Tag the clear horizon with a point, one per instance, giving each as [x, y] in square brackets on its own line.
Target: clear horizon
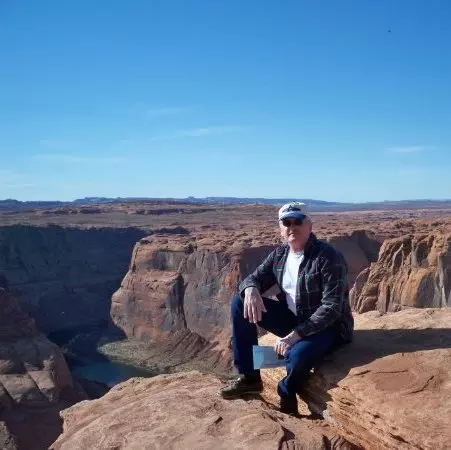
[236, 198]
[347, 102]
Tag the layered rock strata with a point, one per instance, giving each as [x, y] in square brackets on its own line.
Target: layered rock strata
[183, 411]
[391, 387]
[35, 382]
[411, 271]
[180, 289]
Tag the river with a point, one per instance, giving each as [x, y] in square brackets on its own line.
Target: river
[109, 372]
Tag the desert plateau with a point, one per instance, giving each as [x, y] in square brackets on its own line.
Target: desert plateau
[147, 285]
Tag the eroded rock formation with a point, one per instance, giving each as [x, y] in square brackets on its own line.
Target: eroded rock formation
[182, 285]
[360, 249]
[35, 382]
[411, 271]
[390, 388]
[183, 411]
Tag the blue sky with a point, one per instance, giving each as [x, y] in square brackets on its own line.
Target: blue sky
[333, 100]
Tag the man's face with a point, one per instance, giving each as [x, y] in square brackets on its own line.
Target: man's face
[295, 232]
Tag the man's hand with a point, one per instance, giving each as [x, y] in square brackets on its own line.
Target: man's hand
[283, 344]
[253, 305]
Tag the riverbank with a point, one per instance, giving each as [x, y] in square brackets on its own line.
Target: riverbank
[153, 357]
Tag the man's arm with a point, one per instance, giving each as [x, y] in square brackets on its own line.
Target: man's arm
[262, 278]
[334, 276]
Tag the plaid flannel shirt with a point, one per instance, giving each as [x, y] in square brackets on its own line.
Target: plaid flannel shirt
[322, 293]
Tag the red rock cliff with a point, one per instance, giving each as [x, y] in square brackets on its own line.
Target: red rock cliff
[35, 382]
[412, 271]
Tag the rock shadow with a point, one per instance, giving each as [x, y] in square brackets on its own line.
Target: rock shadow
[369, 345]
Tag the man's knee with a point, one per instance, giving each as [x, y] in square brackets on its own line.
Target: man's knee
[302, 354]
[308, 352]
[237, 305]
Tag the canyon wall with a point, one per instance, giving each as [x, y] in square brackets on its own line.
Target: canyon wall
[64, 277]
[411, 271]
[173, 286]
[360, 249]
[178, 281]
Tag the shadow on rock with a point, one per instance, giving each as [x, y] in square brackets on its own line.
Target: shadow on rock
[370, 345]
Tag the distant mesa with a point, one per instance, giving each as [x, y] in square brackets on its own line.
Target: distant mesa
[11, 205]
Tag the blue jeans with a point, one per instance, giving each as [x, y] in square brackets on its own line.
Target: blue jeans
[279, 320]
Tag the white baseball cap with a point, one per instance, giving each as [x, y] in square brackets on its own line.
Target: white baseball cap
[295, 210]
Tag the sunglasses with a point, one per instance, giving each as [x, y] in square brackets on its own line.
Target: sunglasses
[290, 222]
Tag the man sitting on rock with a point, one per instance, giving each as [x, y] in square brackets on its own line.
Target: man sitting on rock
[311, 317]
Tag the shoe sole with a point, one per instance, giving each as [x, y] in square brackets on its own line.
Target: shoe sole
[233, 396]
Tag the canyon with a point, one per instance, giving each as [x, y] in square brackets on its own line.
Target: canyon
[162, 275]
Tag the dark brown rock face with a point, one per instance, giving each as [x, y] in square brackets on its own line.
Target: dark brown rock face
[14, 323]
[64, 277]
[35, 382]
[412, 271]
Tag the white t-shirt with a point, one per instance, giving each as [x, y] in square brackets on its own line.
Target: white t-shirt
[290, 277]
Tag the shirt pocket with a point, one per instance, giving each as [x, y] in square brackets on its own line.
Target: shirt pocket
[313, 282]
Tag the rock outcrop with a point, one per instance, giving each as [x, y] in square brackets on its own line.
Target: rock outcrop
[35, 382]
[411, 271]
[64, 277]
[183, 411]
[391, 387]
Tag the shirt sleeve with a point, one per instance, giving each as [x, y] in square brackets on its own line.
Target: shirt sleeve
[263, 276]
[334, 273]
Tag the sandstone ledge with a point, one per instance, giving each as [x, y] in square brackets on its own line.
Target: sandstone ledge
[390, 388]
[183, 411]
